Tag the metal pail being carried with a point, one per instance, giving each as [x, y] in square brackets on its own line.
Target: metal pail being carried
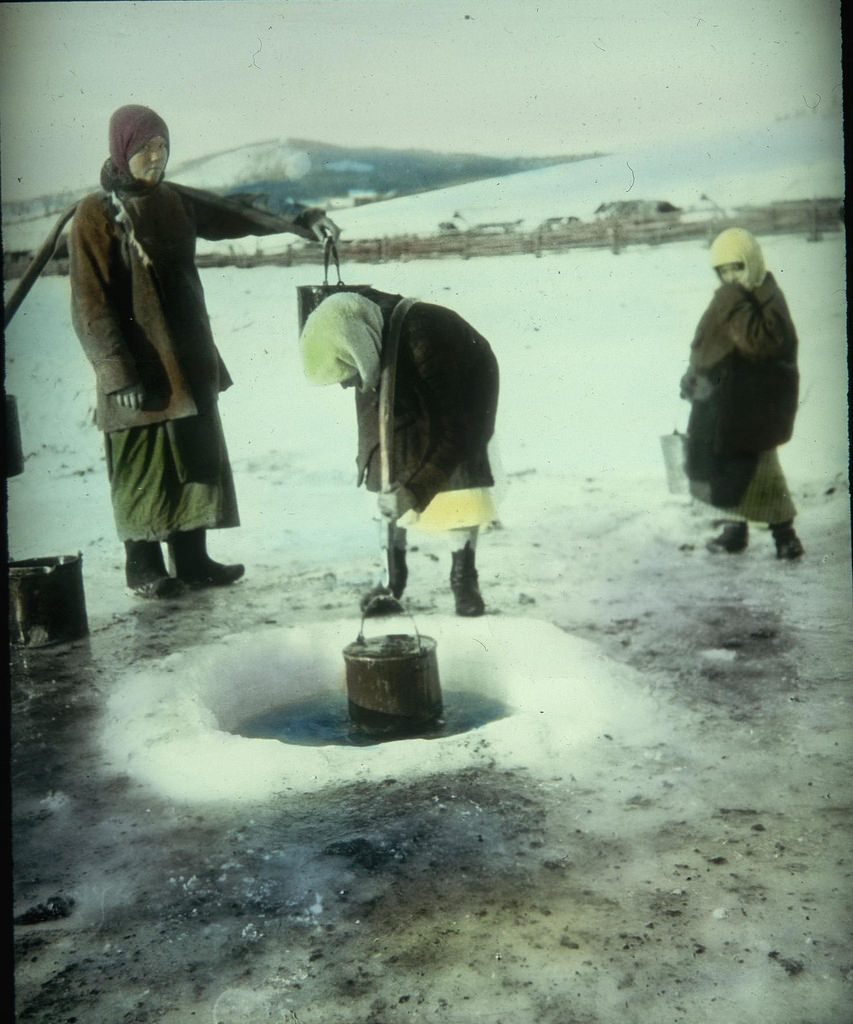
[47, 604]
[392, 683]
[309, 296]
[674, 448]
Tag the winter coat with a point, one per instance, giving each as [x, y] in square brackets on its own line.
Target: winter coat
[446, 397]
[137, 301]
[743, 382]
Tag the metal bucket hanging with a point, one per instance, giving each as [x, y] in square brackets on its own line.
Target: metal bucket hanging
[674, 447]
[47, 604]
[309, 296]
[393, 685]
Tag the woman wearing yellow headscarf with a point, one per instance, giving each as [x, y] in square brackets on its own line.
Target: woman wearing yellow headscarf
[743, 381]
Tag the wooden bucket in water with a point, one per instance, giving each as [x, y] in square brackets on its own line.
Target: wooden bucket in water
[393, 684]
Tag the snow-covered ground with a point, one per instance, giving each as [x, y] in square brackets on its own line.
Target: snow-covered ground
[656, 831]
[591, 347]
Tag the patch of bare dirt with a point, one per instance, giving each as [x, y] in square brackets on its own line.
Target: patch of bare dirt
[705, 879]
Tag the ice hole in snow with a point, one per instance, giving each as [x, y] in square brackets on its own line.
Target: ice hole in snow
[325, 719]
[538, 695]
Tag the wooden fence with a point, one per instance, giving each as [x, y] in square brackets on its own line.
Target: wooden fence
[811, 218]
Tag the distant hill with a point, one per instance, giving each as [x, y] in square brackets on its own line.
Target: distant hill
[307, 171]
[317, 173]
[793, 160]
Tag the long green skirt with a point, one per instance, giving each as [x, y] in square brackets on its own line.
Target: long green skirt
[171, 476]
[766, 498]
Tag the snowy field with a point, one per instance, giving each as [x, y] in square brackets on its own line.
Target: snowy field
[591, 348]
[657, 830]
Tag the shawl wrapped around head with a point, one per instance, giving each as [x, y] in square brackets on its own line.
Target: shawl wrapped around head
[736, 245]
[130, 128]
[342, 338]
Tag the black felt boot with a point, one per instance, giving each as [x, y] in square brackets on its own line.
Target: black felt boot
[733, 539]
[463, 583]
[788, 544]
[192, 564]
[145, 570]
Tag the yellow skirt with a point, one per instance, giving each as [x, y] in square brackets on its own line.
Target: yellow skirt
[766, 499]
[453, 510]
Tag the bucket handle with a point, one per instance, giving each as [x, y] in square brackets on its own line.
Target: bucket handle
[330, 251]
[360, 637]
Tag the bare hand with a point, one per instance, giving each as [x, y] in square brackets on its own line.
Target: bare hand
[396, 502]
[131, 397]
[324, 228]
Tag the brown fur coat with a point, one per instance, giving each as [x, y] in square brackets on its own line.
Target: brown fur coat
[137, 302]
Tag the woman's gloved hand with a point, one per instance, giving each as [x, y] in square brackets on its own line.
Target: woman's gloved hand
[324, 227]
[696, 387]
[687, 388]
[132, 397]
[314, 219]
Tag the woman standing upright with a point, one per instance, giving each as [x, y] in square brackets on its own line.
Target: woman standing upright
[138, 308]
[743, 382]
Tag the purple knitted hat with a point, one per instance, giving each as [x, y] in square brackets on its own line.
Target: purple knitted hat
[130, 128]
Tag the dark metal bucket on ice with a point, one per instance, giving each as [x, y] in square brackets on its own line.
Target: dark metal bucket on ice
[393, 684]
[47, 604]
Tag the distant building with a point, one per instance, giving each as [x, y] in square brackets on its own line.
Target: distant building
[502, 227]
[558, 223]
[459, 224]
[363, 196]
[638, 211]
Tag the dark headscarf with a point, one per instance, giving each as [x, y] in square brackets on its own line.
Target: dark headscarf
[131, 127]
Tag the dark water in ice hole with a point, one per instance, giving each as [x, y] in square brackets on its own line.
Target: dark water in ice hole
[324, 721]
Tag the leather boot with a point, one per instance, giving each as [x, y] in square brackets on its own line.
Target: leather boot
[145, 570]
[733, 539]
[463, 583]
[192, 564]
[788, 544]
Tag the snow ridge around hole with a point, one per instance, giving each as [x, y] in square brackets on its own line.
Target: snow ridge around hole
[170, 725]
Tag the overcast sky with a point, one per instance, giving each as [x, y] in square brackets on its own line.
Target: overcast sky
[508, 77]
